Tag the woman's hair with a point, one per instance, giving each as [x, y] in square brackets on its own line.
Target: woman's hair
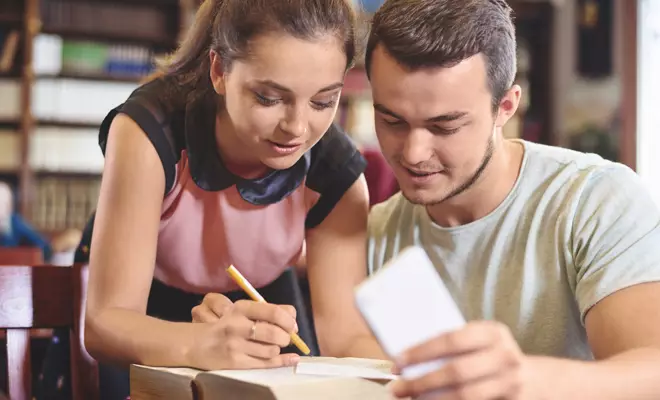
[228, 27]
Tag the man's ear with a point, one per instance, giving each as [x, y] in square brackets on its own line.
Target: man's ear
[508, 105]
[217, 73]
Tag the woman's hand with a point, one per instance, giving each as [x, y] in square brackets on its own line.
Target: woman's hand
[242, 335]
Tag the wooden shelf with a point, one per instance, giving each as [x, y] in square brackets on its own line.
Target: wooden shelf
[159, 3]
[67, 174]
[10, 20]
[67, 124]
[10, 124]
[80, 34]
[94, 77]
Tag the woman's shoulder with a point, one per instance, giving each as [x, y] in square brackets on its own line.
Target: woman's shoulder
[336, 163]
[158, 108]
[334, 152]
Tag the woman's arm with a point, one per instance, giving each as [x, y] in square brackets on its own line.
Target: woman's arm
[336, 263]
[123, 253]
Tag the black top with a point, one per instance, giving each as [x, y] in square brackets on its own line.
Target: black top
[329, 168]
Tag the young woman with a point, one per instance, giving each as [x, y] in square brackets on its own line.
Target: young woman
[231, 158]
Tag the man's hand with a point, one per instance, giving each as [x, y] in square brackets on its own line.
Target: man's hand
[484, 362]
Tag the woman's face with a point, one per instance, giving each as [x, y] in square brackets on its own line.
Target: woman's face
[281, 99]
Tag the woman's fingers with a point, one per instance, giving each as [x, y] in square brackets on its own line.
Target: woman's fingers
[211, 309]
[217, 303]
[244, 361]
[202, 313]
[271, 313]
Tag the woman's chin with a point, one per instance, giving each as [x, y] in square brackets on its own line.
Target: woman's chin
[282, 162]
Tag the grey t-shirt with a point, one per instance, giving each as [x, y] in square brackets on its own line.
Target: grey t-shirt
[574, 229]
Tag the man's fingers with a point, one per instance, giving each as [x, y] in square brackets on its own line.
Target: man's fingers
[472, 337]
[459, 371]
[266, 312]
[499, 386]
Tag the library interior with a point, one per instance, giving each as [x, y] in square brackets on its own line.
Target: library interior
[585, 69]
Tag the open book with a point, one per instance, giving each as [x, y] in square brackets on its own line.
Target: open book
[317, 378]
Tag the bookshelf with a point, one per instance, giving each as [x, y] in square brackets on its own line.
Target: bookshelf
[63, 65]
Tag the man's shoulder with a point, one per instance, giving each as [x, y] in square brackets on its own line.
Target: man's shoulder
[570, 171]
[387, 215]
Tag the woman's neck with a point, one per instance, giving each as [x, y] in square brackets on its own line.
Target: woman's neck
[235, 155]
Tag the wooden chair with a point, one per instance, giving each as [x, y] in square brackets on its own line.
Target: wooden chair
[43, 297]
[22, 255]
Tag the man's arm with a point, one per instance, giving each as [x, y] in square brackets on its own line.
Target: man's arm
[616, 246]
[336, 263]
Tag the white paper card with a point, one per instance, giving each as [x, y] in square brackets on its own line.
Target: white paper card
[405, 304]
[346, 367]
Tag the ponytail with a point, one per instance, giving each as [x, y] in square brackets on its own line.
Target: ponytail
[190, 64]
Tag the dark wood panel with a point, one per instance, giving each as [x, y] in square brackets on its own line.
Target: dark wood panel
[22, 287]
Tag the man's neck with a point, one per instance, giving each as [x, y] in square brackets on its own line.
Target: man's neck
[482, 198]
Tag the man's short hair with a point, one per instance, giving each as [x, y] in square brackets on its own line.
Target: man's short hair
[442, 33]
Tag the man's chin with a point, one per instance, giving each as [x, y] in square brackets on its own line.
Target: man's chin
[421, 197]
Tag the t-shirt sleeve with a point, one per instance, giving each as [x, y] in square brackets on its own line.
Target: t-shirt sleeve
[146, 107]
[336, 164]
[616, 236]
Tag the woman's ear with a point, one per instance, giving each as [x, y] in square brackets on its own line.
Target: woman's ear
[217, 73]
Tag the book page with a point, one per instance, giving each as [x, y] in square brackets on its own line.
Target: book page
[268, 376]
[405, 304]
[346, 367]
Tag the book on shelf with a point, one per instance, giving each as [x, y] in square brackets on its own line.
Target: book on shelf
[318, 378]
[9, 42]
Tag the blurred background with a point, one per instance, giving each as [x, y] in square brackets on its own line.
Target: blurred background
[586, 68]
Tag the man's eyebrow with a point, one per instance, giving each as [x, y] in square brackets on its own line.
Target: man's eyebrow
[452, 116]
[279, 87]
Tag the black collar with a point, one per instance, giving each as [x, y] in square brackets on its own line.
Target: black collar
[209, 172]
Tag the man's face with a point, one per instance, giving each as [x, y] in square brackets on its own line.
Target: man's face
[436, 126]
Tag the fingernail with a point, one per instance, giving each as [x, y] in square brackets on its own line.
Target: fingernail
[293, 359]
[295, 327]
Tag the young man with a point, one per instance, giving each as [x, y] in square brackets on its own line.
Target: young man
[553, 255]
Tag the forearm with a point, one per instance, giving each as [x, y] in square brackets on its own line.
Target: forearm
[124, 337]
[363, 347]
[634, 374]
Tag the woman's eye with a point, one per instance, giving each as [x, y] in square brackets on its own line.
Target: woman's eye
[322, 105]
[265, 101]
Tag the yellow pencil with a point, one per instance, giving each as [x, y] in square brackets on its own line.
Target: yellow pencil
[252, 292]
